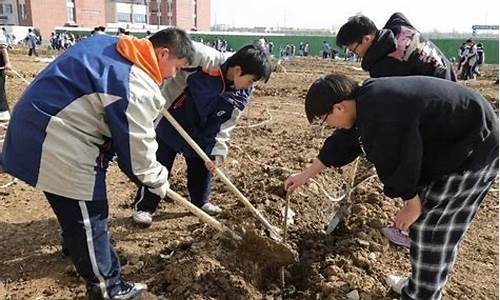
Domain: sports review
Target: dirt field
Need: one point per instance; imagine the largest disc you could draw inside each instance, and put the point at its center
(180, 258)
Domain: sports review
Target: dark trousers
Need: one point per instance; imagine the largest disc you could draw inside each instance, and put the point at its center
(86, 238)
(4, 106)
(32, 51)
(199, 180)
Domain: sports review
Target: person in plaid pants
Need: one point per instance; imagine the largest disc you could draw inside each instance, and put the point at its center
(434, 143)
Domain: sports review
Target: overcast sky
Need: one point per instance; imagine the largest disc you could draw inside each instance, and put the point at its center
(426, 15)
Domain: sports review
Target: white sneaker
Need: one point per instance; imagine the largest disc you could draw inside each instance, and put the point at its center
(211, 209)
(4, 116)
(144, 218)
(396, 283)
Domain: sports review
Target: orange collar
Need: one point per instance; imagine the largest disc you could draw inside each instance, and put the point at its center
(142, 54)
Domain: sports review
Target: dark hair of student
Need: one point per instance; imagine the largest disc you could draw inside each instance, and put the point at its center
(354, 30)
(176, 40)
(254, 60)
(327, 91)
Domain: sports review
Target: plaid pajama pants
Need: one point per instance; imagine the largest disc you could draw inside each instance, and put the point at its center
(449, 205)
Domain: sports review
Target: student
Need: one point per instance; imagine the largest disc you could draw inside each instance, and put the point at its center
(32, 40)
(481, 57)
(98, 99)
(4, 66)
(469, 60)
(396, 50)
(208, 110)
(434, 143)
(326, 49)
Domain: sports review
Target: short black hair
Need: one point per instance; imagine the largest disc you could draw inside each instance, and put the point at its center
(176, 40)
(252, 59)
(353, 31)
(327, 91)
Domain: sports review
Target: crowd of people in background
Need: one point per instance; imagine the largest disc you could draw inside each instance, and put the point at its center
(471, 58)
(471, 55)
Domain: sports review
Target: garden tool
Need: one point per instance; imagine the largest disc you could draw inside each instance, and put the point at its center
(254, 246)
(339, 214)
(272, 230)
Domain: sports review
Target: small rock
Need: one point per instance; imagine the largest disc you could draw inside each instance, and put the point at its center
(360, 260)
(372, 197)
(372, 256)
(332, 270)
(358, 209)
(313, 187)
(353, 295)
(363, 243)
(376, 223)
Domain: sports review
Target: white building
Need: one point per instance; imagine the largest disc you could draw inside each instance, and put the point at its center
(126, 13)
(8, 12)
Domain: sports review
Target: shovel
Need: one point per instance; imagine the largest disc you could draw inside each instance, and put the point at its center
(272, 230)
(339, 214)
(249, 244)
(206, 218)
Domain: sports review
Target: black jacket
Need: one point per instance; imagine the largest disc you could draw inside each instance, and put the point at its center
(416, 129)
(400, 50)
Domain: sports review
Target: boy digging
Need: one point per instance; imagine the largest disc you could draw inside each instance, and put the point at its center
(208, 110)
(434, 143)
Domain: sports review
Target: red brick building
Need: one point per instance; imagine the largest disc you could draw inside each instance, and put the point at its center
(48, 14)
(185, 14)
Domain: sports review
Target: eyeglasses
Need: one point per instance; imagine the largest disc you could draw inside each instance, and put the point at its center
(355, 48)
(320, 120)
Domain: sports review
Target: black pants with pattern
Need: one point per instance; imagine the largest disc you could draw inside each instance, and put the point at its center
(449, 205)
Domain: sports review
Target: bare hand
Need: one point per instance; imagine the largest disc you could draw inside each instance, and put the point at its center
(408, 214)
(295, 181)
(211, 165)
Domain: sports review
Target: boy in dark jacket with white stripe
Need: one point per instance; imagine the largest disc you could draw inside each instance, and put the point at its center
(396, 50)
(433, 142)
(208, 110)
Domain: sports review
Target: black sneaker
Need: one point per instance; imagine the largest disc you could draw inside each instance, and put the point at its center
(128, 291)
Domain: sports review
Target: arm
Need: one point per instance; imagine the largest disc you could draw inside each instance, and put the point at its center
(133, 133)
(238, 100)
(339, 149)
(299, 179)
(6, 59)
(205, 57)
(4, 52)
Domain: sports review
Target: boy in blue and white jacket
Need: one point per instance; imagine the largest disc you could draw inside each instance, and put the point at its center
(99, 98)
(208, 110)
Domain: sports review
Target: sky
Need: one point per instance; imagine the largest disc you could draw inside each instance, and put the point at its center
(425, 15)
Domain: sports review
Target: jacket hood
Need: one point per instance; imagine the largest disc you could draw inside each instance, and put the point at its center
(141, 53)
(385, 43)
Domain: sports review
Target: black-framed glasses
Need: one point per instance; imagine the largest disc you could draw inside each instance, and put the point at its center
(355, 48)
(324, 119)
(321, 120)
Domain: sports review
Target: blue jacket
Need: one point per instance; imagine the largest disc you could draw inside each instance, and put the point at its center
(208, 110)
(99, 97)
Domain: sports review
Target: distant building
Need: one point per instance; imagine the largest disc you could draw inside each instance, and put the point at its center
(48, 14)
(8, 12)
(185, 14)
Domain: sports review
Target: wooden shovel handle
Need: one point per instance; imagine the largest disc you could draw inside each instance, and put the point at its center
(219, 173)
